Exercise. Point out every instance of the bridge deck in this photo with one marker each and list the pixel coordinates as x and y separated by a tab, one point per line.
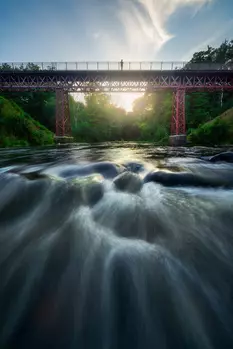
115	80
117	66
116	73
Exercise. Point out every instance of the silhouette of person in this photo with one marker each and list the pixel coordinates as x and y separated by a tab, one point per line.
122	64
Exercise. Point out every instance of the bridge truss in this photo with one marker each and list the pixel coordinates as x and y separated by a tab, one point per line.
87	81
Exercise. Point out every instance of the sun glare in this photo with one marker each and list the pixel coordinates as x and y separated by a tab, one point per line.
125	99
120	99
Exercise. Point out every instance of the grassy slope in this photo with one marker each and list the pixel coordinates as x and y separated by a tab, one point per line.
18	128
217	131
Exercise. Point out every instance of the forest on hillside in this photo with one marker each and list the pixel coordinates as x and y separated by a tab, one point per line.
98	119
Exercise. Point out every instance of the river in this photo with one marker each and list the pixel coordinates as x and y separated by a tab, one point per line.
116	246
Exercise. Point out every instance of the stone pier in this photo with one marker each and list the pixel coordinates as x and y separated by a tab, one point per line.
178	140
63	139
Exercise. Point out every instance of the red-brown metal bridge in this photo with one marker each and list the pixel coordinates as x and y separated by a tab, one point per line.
116	77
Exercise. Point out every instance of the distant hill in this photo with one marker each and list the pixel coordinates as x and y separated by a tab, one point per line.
17	128
215	132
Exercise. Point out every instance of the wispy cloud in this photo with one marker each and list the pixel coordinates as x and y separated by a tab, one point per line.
145	22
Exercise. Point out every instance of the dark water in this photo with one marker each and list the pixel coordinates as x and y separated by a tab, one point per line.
116	246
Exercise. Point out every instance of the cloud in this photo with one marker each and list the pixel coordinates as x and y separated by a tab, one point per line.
96	35
145	22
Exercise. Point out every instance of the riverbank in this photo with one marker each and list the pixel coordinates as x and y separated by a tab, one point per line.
19	128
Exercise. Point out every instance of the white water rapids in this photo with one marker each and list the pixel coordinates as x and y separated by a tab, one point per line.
94	256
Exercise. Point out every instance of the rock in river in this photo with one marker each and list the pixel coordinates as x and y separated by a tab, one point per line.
129	182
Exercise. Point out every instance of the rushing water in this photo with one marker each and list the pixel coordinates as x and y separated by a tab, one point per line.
116	246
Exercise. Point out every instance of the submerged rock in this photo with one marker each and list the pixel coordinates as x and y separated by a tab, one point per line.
129	182
91	187
107	169
226	156
186	179
92	193
134	167
40	175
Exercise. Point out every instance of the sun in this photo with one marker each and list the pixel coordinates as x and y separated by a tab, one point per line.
125	99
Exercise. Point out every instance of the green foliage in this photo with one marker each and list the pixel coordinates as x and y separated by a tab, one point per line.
41	105
17	128
98	119
155	116
23	67
211	133
222	54
11	141
202	107
217	131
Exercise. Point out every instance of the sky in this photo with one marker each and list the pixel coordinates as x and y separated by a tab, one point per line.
110	30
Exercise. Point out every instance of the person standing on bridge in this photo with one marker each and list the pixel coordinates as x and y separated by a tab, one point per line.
122	64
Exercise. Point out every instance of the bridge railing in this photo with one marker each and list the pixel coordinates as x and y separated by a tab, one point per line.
103	66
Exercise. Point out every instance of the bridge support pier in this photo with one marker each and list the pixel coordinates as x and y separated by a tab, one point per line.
63	127
178	122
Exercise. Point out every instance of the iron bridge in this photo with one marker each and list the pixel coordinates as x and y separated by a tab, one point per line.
87	77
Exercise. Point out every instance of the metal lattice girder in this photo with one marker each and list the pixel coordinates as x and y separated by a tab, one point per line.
63	127
178	122
115	81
